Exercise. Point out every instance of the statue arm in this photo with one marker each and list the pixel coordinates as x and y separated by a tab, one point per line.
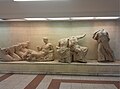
39	48
80	37
95	35
108	37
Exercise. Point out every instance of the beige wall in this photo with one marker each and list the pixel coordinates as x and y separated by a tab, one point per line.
15	32
59	8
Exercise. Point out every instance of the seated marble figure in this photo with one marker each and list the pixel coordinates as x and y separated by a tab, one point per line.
44	53
69	50
63	51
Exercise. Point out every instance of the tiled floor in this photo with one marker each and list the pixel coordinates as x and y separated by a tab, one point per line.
86	86
27	81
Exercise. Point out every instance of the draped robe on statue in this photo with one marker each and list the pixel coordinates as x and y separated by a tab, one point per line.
105	53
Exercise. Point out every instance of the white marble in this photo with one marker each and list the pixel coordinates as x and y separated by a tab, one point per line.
20	81
65	86
16	81
66	77
86	86
57	76
25	81
61	68
110	86
76	86
110	78
45	82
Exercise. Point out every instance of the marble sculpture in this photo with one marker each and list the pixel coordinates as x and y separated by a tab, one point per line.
105	53
69	49
5	55
44	53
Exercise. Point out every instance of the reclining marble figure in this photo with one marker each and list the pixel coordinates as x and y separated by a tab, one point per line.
69	50
25	46
44	53
4	55
16	52
105	53
11	52
21	51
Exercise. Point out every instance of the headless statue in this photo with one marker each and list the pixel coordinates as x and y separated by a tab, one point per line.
105	53
69	50
63	51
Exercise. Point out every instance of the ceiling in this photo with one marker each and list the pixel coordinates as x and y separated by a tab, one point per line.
68	8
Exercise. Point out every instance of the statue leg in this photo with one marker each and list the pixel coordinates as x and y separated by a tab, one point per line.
49	57
85	50
108	53
101	57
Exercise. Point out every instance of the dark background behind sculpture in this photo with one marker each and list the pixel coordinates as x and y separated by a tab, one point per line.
14	32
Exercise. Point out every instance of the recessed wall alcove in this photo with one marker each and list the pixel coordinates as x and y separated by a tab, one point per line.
12	33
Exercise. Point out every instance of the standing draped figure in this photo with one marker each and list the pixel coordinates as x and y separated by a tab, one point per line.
105	54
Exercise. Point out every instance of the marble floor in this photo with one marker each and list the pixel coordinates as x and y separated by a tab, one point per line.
29	81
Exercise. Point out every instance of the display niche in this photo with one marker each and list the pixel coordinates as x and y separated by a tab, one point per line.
68	49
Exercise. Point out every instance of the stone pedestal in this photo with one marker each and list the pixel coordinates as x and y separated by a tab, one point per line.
90	68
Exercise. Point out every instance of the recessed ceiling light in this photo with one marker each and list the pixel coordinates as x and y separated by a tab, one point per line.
40	0
14	20
36	19
1	20
82	18
106	17
31	0
58	18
